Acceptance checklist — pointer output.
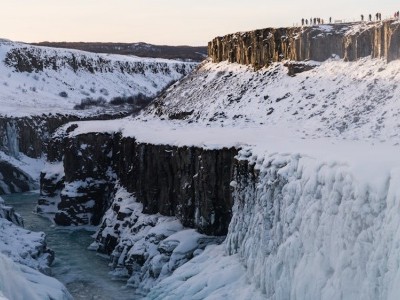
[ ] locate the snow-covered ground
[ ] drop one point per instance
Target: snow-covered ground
(320, 220)
(38, 80)
(352, 100)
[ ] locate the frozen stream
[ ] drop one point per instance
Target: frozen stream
(84, 272)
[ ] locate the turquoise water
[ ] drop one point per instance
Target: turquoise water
(85, 273)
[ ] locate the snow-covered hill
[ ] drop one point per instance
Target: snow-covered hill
(351, 100)
(37, 80)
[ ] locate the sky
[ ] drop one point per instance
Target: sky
(166, 22)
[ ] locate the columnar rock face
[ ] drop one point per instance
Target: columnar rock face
(30, 135)
(187, 182)
(350, 41)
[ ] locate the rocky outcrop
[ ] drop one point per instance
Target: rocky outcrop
(350, 41)
(13, 179)
(8, 213)
(35, 59)
(30, 136)
(187, 182)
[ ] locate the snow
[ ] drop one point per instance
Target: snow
(320, 218)
(353, 100)
(151, 247)
(23, 254)
(210, 275)
(39, 92)
(19, 282)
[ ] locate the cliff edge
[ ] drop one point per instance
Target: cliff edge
(349, 41)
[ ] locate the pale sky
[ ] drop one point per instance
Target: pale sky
(166, 22)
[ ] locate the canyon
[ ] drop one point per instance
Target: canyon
(247, 176)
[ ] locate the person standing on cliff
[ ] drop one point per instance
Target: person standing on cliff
(310, 21)
(302, 22)
(370, 17)
(306, 22)
(330, 19)
(362, 18)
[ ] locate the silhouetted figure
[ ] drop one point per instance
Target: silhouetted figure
(306, 22)
(362, 17)
(370, 17)
(380, 17)
(398, 14)
(302, 22)
(330, 19)
(377, 16)
(310, 21)
(315, 21)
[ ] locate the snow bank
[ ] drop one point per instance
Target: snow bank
(23, 254)
(210, 275)
(147, 248)
(21, 245)
(19, 282)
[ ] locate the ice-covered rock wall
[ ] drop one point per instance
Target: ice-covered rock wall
(350, 41)
(312, 230)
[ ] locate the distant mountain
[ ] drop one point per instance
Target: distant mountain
(186, 53)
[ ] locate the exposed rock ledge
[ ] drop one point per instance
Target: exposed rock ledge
(350, 41)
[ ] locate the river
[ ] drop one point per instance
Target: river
(85, 273)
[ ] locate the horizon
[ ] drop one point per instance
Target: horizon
(176, 23)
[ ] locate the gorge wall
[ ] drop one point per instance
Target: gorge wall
(190, 183)
(349, 41)
(29, 136)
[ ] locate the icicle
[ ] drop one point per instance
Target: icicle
(11, 142)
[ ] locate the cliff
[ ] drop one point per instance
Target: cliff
(190, 183)
(349, 41)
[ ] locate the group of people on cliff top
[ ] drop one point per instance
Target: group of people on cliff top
(318, 21)
(378, 17)
(313, 21)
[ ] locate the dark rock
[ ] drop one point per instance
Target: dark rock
(298, 67)
(187, 182)
(14, 180)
